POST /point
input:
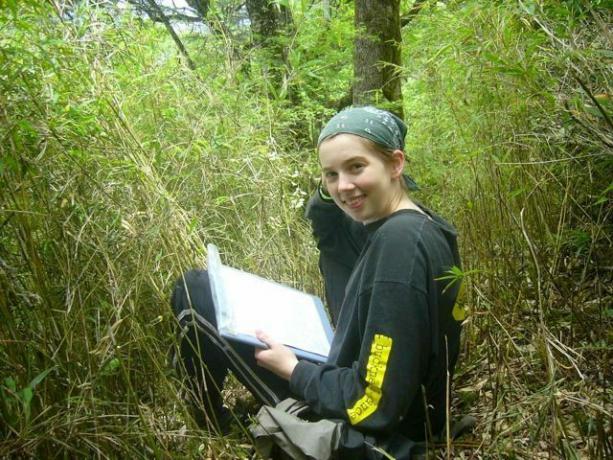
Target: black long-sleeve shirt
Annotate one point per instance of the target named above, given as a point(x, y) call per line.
point(396, 332)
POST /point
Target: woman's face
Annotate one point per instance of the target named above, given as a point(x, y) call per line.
point(361, 182)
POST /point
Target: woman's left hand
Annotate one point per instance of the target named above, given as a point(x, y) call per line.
point(277, 358)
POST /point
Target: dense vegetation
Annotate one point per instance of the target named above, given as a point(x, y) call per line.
point(118, 164)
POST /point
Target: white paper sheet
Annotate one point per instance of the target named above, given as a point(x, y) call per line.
point(285, 314)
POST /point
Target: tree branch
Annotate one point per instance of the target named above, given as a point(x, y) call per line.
point(416, 8)
point(595, 101)
point(164, 19)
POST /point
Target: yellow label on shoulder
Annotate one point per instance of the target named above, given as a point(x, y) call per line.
point(375, 374)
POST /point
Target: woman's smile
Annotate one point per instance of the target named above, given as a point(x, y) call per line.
point(354, 202)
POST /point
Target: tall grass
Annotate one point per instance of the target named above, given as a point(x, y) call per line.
point(509, 137)
point(118, 165)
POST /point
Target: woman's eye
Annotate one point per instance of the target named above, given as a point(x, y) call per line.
point(330, 175)
point(357, 167)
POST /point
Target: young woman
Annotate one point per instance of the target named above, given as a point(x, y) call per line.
point(396, 338)
point(396, 341)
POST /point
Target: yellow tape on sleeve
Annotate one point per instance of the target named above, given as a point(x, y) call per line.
point(375, 374)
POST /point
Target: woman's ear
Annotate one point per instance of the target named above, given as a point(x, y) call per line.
point(397, 163)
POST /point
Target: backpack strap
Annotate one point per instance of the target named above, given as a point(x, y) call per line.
point(189, 317)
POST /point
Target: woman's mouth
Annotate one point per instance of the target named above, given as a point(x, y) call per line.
point(354, 202)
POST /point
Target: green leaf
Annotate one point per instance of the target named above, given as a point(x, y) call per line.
point(40, 377)
point(455, 274)
point(111, 366)
point(516, 192)
point(9, 382)
point(609, 189)
point(26, 395)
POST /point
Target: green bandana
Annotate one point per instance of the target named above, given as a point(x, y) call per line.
point(381, 127)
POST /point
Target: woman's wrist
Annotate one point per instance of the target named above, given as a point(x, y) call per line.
point(289, 369)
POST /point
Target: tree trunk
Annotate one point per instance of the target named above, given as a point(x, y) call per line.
point(267, 20)
point(377, 54)
point(201, 7)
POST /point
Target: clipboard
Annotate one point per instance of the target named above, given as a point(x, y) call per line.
point(245, 302)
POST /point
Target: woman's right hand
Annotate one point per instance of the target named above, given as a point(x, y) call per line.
point(277, 358)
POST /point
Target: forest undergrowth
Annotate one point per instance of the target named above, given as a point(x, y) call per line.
point(118, 164)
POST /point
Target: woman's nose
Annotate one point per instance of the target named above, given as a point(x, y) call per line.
point(345, 183)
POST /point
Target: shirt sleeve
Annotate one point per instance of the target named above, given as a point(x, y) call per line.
point(340, 241)
point(377, 390)
point(339, 236)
